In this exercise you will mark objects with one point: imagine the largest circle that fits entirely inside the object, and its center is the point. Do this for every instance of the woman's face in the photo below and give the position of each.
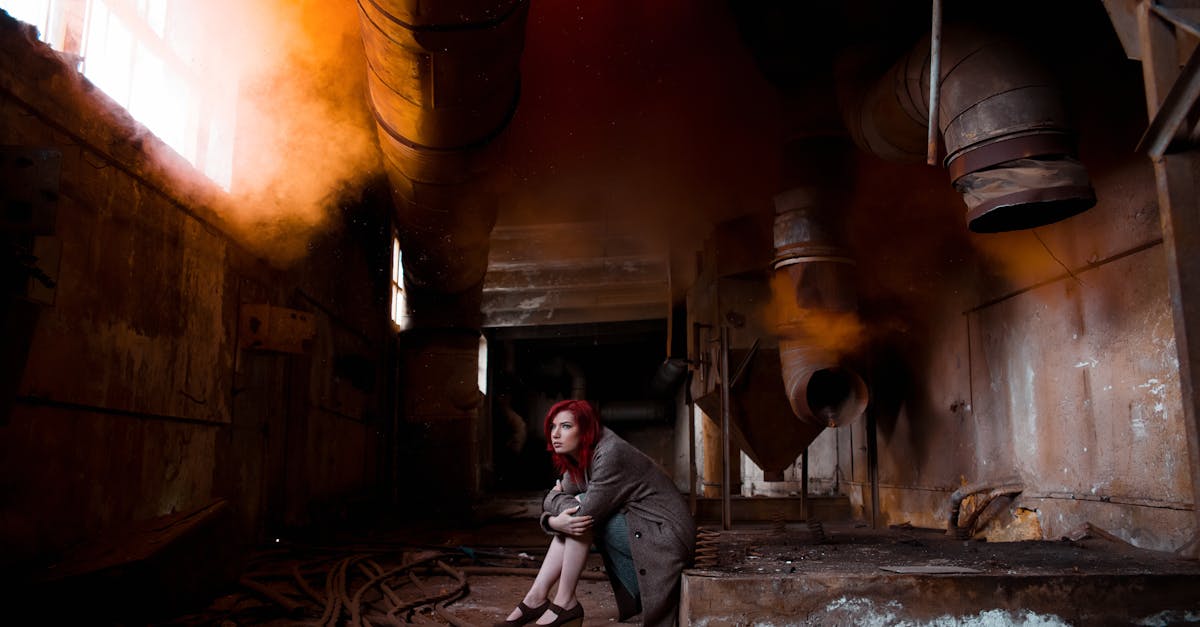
(564, 434)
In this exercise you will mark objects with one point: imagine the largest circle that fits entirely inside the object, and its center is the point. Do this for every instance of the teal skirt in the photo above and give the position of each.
(612, 539)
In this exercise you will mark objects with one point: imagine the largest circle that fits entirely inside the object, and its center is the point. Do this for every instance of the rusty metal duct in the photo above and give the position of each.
(443, 79)
(1009, 149)
(817, 320)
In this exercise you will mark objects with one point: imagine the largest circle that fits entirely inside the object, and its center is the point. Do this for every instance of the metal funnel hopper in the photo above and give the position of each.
(762, 422)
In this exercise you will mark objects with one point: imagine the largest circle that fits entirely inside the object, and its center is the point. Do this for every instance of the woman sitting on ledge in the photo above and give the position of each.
(641, 522)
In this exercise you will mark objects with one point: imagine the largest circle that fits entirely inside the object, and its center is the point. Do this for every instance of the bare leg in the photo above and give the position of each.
(549, 573)
(574, 556)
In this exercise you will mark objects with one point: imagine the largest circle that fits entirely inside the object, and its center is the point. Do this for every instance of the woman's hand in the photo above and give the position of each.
(557, 486)
(568, 523)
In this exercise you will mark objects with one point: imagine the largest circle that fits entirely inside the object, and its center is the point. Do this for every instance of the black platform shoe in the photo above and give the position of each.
(566, 618)
(528, 614)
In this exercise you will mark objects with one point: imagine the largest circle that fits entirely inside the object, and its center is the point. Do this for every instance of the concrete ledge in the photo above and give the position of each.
(846, 574)
(720, 600)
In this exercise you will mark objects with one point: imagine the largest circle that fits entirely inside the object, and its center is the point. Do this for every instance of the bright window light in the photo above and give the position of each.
(127, 49)
(399, 303)
(483, 359)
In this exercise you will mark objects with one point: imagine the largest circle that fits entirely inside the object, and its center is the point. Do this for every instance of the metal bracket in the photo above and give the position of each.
(1180, 100)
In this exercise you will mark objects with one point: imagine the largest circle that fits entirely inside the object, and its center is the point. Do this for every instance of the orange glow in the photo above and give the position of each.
(839, 331)
(1024, 257)
(266, 98)
(304, 131)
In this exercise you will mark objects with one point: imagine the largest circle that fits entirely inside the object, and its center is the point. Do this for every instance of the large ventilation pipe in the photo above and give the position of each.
(813, 288)
(1009, 149)
(443, 79)
(819, 322)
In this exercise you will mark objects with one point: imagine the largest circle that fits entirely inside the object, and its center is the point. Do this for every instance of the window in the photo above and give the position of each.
(482, 379)
(145, 55)
(399, 303)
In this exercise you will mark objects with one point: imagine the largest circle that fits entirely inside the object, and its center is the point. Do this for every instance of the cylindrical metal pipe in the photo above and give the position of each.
(820, 389)
(710, 443)
(726, 417)
(443, 80)
(804, 485)
(1009, 148)
(1006, 486)
(816, 318)
(692, 474)
(935, 72)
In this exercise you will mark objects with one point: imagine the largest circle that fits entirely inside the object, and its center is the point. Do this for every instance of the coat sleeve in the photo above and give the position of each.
(610, 487)
(556, 501)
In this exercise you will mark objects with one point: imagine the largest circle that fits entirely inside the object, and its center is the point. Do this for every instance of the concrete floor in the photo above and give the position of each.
(514, 544)
(764, 574)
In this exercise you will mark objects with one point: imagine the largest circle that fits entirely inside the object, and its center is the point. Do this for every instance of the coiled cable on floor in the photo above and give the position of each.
(370, 584)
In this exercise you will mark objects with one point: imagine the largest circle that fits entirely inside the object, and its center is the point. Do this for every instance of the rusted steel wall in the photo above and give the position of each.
(135, 400)
(1047, 356)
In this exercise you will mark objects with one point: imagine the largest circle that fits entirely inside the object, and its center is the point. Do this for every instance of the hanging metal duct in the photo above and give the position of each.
(817, 323)
(1009, 149)
(444, 82)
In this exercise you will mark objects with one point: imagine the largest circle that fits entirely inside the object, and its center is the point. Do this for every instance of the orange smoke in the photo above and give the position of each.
(841, 332)
(302, 129)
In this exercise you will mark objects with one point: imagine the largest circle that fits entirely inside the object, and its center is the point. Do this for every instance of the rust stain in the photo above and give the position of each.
(1021, 524)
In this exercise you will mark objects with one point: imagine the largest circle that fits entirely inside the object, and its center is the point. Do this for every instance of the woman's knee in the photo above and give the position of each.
(584, 538)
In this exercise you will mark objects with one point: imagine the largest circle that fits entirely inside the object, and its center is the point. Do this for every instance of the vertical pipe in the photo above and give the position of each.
(804, 485)
(710, 442)
(935, 75)
(697, 364)
(726, 516)
(692, 487)
(873, 466)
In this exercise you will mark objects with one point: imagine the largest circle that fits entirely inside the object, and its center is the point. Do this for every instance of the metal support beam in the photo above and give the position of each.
(1180, 218)
(726, 384)
(935, 79)
(804, 484)
(1176, 107)
(873, 463)
(1177, 205)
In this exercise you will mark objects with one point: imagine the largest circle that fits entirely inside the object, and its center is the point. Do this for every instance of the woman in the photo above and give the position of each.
(641, 522)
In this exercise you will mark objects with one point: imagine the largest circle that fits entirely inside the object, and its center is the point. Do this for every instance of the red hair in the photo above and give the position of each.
(587, 421)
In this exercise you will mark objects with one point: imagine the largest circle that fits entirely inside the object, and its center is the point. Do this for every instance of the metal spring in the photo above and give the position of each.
(779, 521)
(817, 529)
(706, 547)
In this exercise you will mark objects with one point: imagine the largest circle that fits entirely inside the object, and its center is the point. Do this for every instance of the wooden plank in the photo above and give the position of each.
(134, 542)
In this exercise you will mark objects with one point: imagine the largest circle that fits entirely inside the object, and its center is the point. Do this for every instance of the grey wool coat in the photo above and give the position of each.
(662, 534)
